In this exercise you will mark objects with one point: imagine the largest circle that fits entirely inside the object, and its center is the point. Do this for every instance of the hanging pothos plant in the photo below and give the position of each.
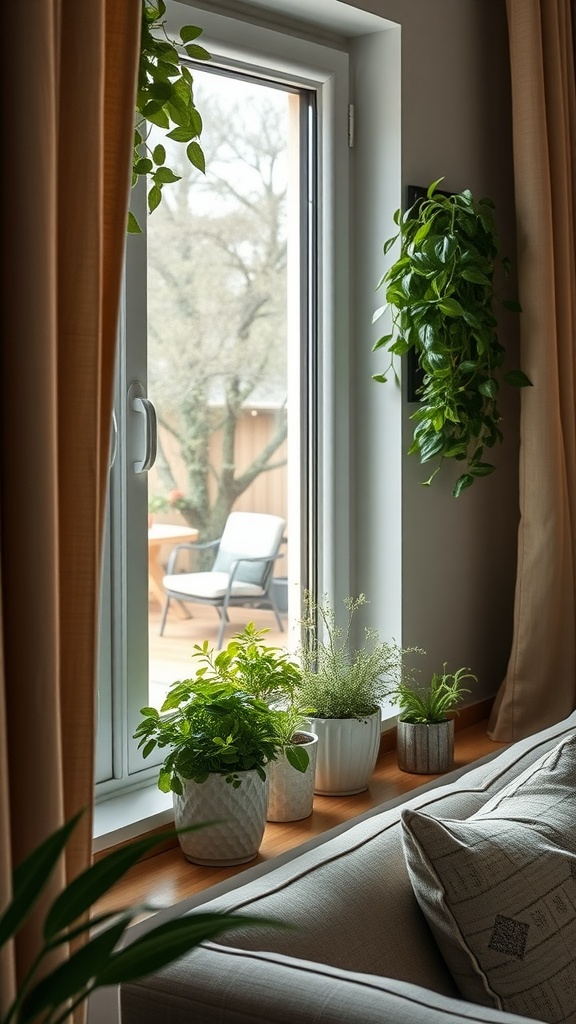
(164, 98)
(441, 293)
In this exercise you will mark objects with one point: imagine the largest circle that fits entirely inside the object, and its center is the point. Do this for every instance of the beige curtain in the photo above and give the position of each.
(68, 82)
(540, 686)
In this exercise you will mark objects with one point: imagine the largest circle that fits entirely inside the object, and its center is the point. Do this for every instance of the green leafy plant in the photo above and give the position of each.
(164, 98)
(289, 725)
(49, 995)
(209, 727)
(431, 703)
(338, 681)
(268, 673)
(441, 292)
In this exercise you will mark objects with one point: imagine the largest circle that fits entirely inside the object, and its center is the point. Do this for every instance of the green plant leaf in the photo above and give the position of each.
(512, 305)
(432, 188)
(197, 52)
(196, 156)
(154, 197)
(464, 481)
(451, 307)
(489, 387)
(518, 379)
(133, 227)
(298, 757)
(181, 134)
(382, 341)
(482, 469)
(189, 32)
(167, 942)
(30, 876)
(89, 886)
(73, 976)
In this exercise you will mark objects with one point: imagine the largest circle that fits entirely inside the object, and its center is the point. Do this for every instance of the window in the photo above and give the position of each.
(218, 371)
(350, 196)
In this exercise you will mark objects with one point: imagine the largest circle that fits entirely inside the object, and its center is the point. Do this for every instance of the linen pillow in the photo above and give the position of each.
(499, 890)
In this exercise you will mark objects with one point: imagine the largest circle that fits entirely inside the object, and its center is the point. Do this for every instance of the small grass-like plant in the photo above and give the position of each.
(431, 703)
(338, 681)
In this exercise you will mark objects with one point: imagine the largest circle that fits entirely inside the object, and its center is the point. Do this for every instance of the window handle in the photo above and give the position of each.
(113, 441)
(143, 406)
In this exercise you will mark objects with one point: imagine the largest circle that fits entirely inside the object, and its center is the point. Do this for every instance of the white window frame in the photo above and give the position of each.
(324, 68)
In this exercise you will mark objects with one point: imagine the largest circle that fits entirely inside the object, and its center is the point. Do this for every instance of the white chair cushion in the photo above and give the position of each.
(252, 535)
(499, 890)
(209, 586)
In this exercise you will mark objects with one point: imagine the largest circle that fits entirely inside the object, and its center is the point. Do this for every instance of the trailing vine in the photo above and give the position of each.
(164, 98)
(441, 293)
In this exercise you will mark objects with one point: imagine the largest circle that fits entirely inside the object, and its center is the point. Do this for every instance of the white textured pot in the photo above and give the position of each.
(290, 792)
(425, 749)
(347, 753)
(241, 815)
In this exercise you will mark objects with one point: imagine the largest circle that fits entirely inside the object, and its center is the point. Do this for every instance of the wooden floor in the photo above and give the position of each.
(167, 878)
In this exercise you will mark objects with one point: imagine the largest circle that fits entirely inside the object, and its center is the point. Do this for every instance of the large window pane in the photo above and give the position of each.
(218, 371)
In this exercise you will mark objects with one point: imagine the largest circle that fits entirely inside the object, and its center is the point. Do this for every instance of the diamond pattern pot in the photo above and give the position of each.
(241, 815)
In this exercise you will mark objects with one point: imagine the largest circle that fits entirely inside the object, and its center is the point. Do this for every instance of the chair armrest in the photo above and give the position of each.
(200, 546)
(249, 558)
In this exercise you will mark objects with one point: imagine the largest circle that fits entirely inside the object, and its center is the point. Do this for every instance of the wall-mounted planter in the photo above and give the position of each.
(425, 748)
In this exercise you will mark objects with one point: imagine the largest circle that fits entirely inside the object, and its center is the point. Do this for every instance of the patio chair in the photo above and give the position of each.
(242, 571)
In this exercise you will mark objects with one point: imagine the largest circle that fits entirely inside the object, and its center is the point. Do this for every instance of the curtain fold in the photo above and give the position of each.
(540, 684)
(68, 115)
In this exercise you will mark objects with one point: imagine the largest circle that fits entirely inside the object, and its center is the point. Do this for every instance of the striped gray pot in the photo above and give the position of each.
(425, 748)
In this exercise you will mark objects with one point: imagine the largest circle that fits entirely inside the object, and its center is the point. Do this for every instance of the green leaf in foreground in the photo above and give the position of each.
(168, 941)
(30, 877)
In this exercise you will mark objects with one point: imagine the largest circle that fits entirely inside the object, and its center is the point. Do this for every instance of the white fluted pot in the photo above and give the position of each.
(241, 815)
(290, 792)
(347, 753)
(425, 748)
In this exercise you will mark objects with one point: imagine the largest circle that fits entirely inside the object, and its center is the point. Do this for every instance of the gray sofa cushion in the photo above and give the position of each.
(350, 899)
(216, 984)
(499, 890)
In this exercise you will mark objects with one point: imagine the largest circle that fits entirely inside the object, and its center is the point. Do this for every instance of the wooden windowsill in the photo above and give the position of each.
(168, 878)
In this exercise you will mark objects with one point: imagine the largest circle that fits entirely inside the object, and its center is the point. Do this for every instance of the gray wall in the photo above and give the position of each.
(439, 569)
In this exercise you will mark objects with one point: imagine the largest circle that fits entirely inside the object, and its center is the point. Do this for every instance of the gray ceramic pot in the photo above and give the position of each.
(425, 749)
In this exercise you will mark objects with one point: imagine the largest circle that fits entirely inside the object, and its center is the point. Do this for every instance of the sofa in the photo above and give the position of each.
(374, 932)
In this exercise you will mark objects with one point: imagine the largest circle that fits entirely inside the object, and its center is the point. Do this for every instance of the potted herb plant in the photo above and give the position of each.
(425, 743)
(346, 687)
(219, 741)
(271, 675)
(291, 777)
(441, 292)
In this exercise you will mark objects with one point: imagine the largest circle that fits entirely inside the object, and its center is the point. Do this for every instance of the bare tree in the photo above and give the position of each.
(217, 304)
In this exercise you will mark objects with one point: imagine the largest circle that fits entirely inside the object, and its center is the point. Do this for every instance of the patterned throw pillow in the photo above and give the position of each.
(499, 890)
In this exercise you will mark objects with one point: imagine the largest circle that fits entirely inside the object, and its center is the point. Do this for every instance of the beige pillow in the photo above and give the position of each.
(499, 890)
